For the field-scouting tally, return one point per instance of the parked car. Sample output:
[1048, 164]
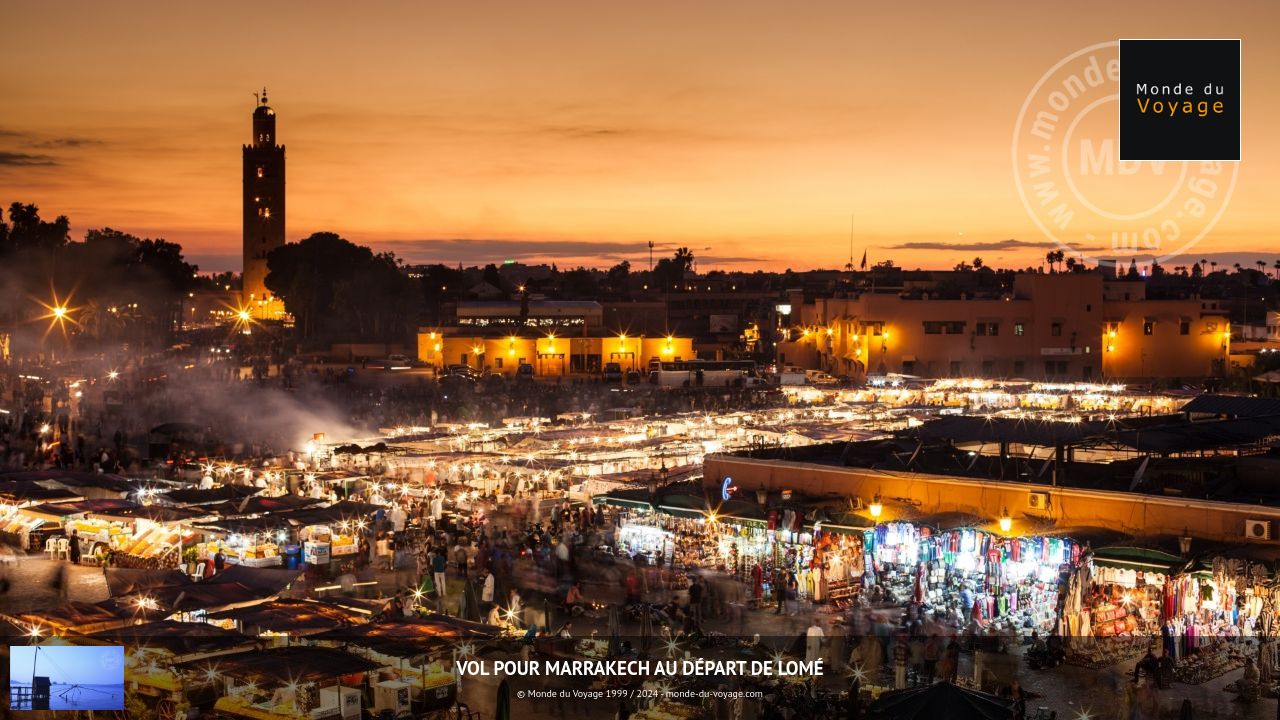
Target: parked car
[633, 377]
[612, 372]
[464, 371]
[524, 373]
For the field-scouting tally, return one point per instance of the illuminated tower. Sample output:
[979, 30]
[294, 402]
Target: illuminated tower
[263, 209]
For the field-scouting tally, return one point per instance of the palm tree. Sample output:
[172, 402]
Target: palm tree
[1262, 266]
[1213, 266]
[1277, 267]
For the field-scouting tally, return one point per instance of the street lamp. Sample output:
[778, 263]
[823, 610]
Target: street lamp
[1006, 522]
[1184, 543]
[876, 507]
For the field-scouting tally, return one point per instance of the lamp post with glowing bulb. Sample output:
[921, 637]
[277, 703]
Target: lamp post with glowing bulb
[876, 507]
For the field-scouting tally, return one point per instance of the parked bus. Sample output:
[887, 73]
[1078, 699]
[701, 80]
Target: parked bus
[705, 373]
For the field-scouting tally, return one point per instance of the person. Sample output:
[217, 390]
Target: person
[1148, 664]
[695, 598]
[932, 650]
[966, 604]
[899, 663]
[951, 661]
[915, 649]
[383, 551]
[219, 561]
[395, 610]
[73, 548]
[813, 642]
[573, 600]
[486, 592]
[439, 563]
[780, 589]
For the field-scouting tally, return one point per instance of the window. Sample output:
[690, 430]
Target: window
[1148, 328]
[1019, 329]
[1087, 373]
[988, 368]
[462, 359]
[1019, 368]
[497, 362]
[1184, 327]
[987, 329]
[1088, 307]
[943, 327]
[1056, 329]
[908, 367]
[955, 368]
[259, 171]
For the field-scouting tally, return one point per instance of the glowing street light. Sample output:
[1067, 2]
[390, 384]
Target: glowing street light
[1006, 522]
[876, 507]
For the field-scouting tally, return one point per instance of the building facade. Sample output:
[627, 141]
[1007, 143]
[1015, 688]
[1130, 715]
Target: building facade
[264, 211]
[555, 337]
[1068, 327]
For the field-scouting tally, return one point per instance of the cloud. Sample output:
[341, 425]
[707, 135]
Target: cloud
[67, 142]
[588, 252]
[586, 132]
[978, 246]
[17, 159]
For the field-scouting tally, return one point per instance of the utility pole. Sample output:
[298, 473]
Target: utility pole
[650, 261]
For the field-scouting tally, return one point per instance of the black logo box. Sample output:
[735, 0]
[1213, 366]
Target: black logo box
[1187, 68]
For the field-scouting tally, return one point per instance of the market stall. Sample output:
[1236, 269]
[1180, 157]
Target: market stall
[968, 574]
[417, 658]
[292, 682]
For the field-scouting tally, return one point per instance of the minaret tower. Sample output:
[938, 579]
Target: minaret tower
[263, 210]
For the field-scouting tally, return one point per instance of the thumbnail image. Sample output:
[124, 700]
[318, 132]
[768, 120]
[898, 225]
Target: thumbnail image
[65, 677]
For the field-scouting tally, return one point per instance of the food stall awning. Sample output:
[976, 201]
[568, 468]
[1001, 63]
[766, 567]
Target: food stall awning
[1022, 431]
[620, 500]
[294, 617]
[1235, 406]
[74, 616]
[155, 513]
[337, 512]
[179, 638]
[284, 665]
[20, 491]
[210, 496]
[258, 504]
[1206, 435]
[128, 581]
[941, 700]
[73, 479]
[235, 586]
[57, 511]
[411, 637]
[1132, 558]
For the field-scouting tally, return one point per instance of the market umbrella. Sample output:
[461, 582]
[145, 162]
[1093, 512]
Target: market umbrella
[940, 700]
[503, 711]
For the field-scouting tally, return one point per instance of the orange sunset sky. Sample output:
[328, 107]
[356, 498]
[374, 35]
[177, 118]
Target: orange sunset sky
[577, 132]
